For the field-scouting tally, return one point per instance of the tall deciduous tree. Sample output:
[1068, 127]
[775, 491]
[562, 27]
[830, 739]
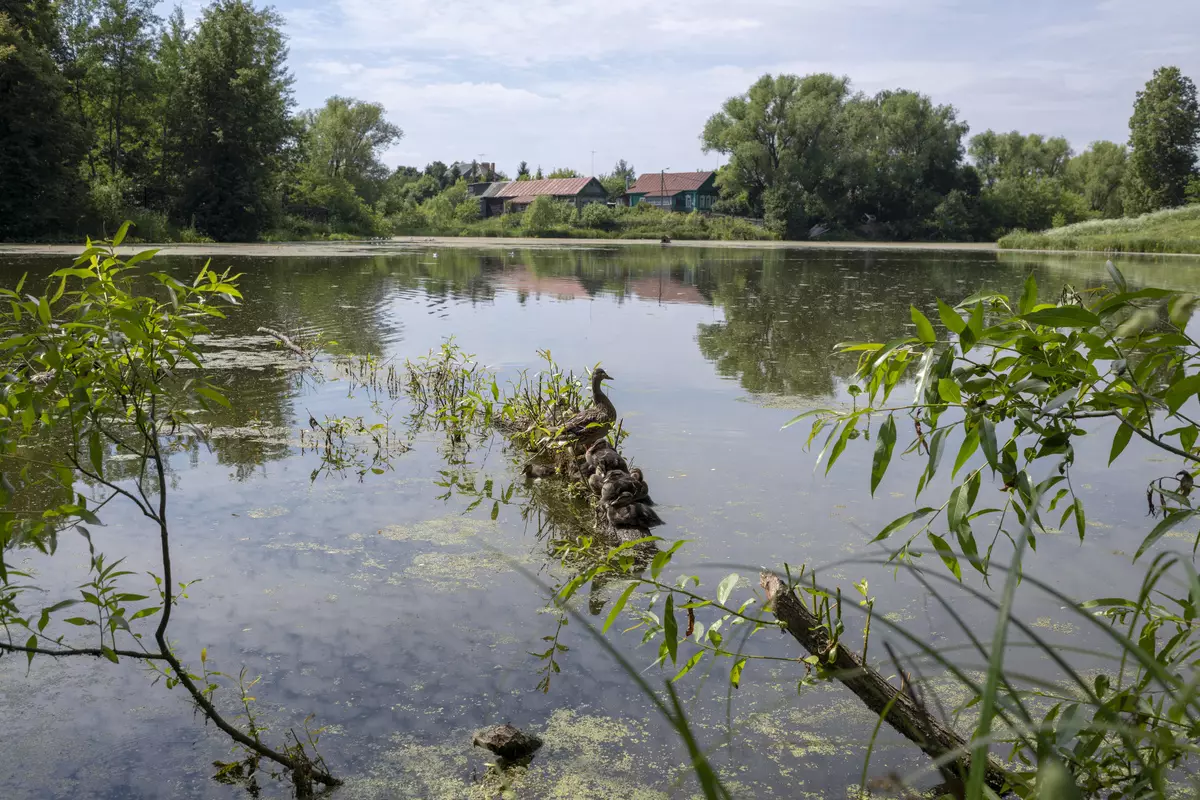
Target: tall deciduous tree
[779, 137]
[1164, 133]
[999, 156]
[1098, 174]
[40, 145]
[123, 74]
[239, 93]
[344, 140]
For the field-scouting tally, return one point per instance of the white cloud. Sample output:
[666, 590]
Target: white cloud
[548, 81]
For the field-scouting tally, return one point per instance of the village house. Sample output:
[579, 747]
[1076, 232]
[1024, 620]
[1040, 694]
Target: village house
[675, 191]
[496, 198]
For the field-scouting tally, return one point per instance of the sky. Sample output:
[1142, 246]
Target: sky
[550, 81]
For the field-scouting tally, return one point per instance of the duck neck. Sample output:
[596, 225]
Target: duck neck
[600, 398]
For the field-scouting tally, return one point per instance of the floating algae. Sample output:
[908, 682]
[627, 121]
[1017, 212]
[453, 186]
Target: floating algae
[583, 756]
[466, 570]
[267, 513]
[1057, 627]
[442, 531]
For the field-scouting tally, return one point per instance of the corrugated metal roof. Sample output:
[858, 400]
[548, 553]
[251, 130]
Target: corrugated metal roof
[493, 189]
[557, 187]
[655, 184]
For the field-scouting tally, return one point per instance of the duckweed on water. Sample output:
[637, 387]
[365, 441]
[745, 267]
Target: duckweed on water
[267, 513]
[584, 756]
[449, 570]
[443, 531]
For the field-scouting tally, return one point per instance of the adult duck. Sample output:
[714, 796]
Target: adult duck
[591, 424]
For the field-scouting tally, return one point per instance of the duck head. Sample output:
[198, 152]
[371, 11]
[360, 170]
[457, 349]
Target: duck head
[601, 375]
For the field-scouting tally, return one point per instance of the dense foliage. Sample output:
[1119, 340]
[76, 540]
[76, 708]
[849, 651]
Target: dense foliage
[813, 159]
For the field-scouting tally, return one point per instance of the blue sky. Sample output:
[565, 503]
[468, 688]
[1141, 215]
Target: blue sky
[548, 81]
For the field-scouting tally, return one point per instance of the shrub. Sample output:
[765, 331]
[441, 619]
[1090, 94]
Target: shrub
[598, 215]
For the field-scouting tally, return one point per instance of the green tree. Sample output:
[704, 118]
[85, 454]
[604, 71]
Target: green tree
[615, 182]
[523, 171]
[1164, 133]
[239, 96]
[780, 136]
[172, 106]
[903, 160]
[564, 172]
[122, 73]
[1014, 155]
[1098, 174]
[346, 137]
[40, 144]
[538, 176]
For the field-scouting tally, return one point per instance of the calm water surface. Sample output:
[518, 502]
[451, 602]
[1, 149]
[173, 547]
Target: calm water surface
[398, 618]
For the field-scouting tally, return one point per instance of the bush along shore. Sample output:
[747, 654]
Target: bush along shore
[1174, 230]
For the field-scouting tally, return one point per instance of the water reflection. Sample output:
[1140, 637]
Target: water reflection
[401, 622]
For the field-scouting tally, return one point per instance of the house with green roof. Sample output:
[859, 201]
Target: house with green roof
[675, 191]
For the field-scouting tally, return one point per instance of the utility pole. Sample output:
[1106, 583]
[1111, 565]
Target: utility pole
[662, 187]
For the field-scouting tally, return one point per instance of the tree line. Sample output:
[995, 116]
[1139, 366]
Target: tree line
[191, 131]
[806, 152]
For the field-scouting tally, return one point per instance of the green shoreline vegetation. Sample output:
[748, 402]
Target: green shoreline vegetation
[1173, 230]
[113, 113]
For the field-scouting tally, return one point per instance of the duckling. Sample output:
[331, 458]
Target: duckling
[624, 512]
[602, 454]
[539, 470]
[596, 480]
[616, 483]
[641, 492]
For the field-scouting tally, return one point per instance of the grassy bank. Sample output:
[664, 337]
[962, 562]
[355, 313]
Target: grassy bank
[558, 221]
[1175, 230]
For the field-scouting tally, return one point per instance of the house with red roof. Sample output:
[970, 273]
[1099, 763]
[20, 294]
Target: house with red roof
[675, 191]
[496, 198]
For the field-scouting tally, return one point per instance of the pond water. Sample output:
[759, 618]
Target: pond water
[401, 620]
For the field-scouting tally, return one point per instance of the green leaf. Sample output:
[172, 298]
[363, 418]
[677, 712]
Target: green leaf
[109, 654]
[987, 437]
[691, 662]
[1063, 317]
[1029, 296]
[946, 554]
[950, 318]
[212, 394]
[1178, 393]
[735, 673]
[1080, 519]
[143, 256]
[662, 558]
[948, 390]
[805, 415]
[1168, 522]
[901, 522]
[80, 621]
[726, 587]
[96, 451]
[924, 327]
[31, 642]
[1061, 400]
[120, 237]
[1120, 440]
[670, 627]
[1117, 278]
[885, 443]
[969, 446]
[618, 607]
[957, 507]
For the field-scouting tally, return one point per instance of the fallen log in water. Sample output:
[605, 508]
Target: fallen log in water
[904, 713]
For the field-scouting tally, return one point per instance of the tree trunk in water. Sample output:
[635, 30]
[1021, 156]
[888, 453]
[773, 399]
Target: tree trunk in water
[907, 716]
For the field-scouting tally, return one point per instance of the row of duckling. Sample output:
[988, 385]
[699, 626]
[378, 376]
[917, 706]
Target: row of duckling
[623, 492]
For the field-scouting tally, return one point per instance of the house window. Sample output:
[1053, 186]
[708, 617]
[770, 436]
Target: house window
[689, 201]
